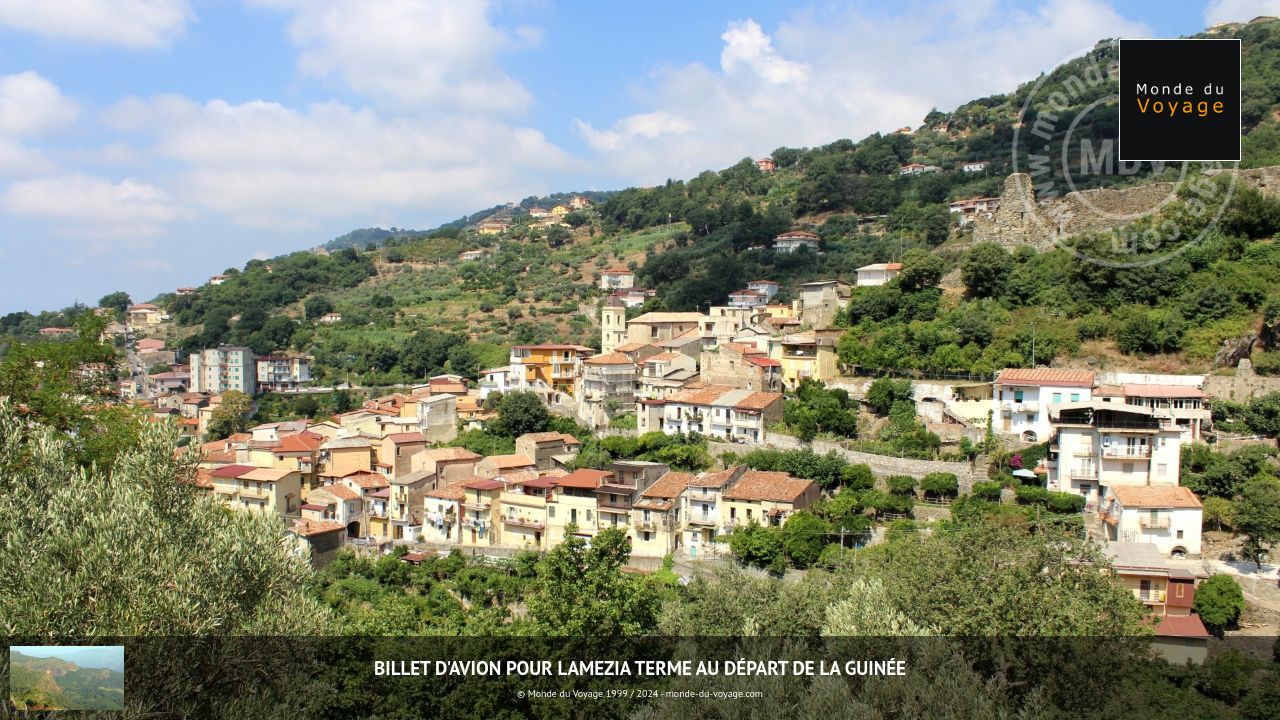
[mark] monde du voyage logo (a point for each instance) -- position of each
(1179, 100)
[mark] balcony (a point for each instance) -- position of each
(1150, 596)
(1083, 452)
(1160, 522)
(255, 494)
(1083, 474)
(477, 504)
(706, 520)
(1127, 451)
(650, 525)
(621, 504)
(524, 522)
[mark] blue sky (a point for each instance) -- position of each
(86, 656)
(147, 144)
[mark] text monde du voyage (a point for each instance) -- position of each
(1179, 99)
(638, 668)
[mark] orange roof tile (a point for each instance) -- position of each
(613, 358)
(584, 478)
(308, 528)
(758, 485)
(669, 485)
(511, 461)
(1045, 376)
(340, 491)
(448, 454)
(368, 480)
(1154, 496)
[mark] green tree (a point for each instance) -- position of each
(985, 270)
(920, 269)
(1262, 415)
(231, 416)
(317, 306)
(426, 351)
(520, 412)
(1219, 602)
(803, 537)
(755, 544)
(883, 393)
(580, 589)
(464, 361)
(1257, 517)
(118, 301)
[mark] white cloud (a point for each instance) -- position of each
(266, 165)
(1239, 10)
(823, 76)
(83, 206)
(421, 52)
(30, 107)
(130, 23)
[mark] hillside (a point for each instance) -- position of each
(410, 306)
(51, 683)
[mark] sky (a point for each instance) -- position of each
(86, 656)
(148, 144)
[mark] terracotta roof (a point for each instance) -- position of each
(584, 478)
(668, 317)
(763, 361)
(233, 471)
(266, 474)
(382, 494)
(759, 485)
(340, 491)
(452, 491)
(510, 461)
(552, 346)
(368, 480)
(613, 358)
(630, 347)
(303, 442)
(1045, 376)
(805, 234)
(716, 479)
(448, 387)
(662, 357)
(758, 401)
(618, 271)
(203, 478)
(314, 507)
(669, 485)
(1154, 496)
(1162, 391)
(405, 437)
(743, 348)
(309, 528)
(539, 481)
(150, 344)
(446, 454)
(484, 484)
(1187, 626)
(547, 437)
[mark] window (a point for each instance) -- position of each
(1127, 468)
(551, 511)
(1075, 397)
(588, 516)
(1057, 397)
(1017, 396)
(647, 536)
(1179, 534)
(1162, 469)
(733, 513)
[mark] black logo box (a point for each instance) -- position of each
(1188, 65)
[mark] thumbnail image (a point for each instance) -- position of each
(66, 677)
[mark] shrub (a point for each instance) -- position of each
(1060, 502)
(857, 477)
(901, 484)
(1219, 602)
(940, 483)
(989, 491)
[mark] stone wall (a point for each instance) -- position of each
(881, 465)
(1242, 386)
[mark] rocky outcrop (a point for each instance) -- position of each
(1234, 350)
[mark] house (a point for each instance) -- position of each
(974, 166)
(968, 209)
(621, 488)
(436, 416)
(766, 165)
(398, 449)
(149, 345)
(445, 466)
(1021, 398)
(184, 291)
(790, 242)
(479, 515)
(523, 516)
(805, 355)
(1141, 568)
(606, 386)
(548, 369)
(767, 498)
(495, 465)
(657, 327)
(341, 456)
(488, 227)
(280, 373)
(747, 298)
(321, 539)
(822, 300)
(618, 278)
(144, 315)
(717, 411)
(170, 382)
(218, 279)
(657, 516)
(1167, 516)
(1181, 638)
(547, 450)
(768, 287)
(740, 365)
(664, 374)
(631, 297)
(877, 274)
(454, 385)
(245, 487)
(1097, 445)
(442, 510)
(1182, 406)
(578, 202)
(494, 380)
(917, 169)
(330, 318)
(227, 367)
(701, 508)
(538, 212)
(572, 508)
(559, 211)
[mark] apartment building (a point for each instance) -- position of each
(664, 374)
(1182, 406)
(549, 369)
(269, 490)
(1169, 517)
(480, 504)
(702, 505)
(617, 493)
(548, 450)
(278, 373)
(607, 384)
(1021, 398)
(1098, 445)
(524, 512)
(767, 498)
(617, 279)
(573, 503)
(717, 411)
(806, 355)
(793, 241)
(224, 368)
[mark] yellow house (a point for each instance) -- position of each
(656, 516)
(524, 512)
(397, 450)
(573, 502)
(559, 211)
(480, 506)
(767, 498)
(806, 355)
(344, 455)
(546, 368)
(245, 487)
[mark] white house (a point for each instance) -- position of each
(1168, 517)
(768, 287)
(970, 208)
(1021, 398)
(495, 380)
(918, 169)
(975, 166)
(1098, 445)
(878, 274)
(792, 241)
(617, 279)
(717, 411)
